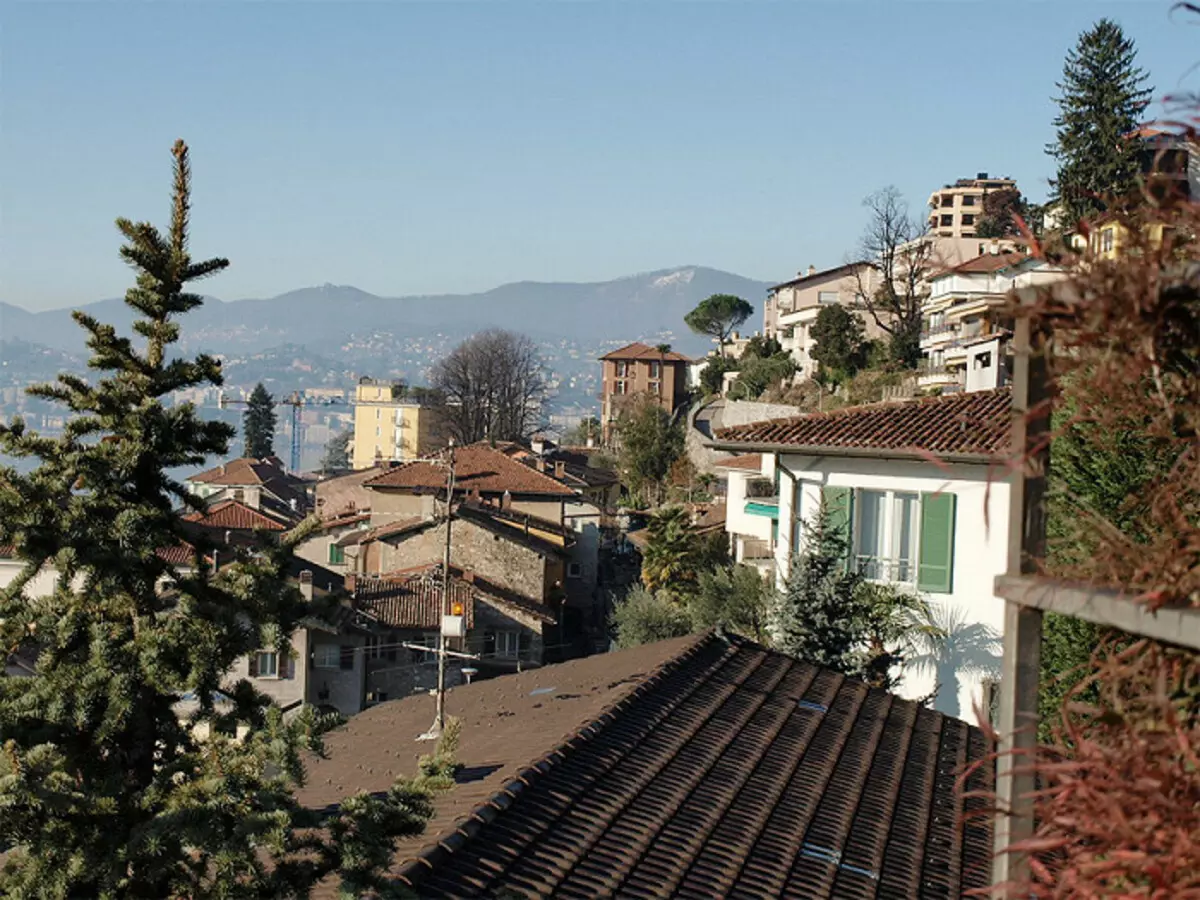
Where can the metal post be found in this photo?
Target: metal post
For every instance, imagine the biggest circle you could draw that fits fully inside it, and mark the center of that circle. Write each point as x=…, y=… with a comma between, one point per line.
x=439, y=720
x=1021, y=671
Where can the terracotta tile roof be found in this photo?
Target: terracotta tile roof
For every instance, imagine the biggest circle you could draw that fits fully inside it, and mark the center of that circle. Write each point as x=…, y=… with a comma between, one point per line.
x=235, y=516
x=246, y=470
x=390, y=529
x=825, y=273
x=343, y=520
x=986, y=262
x=638, y=350
x=750, y=462
x=182, y=554
x=717, y=768
x=478, y=467
x=975, y=424
x=7, y=551
x=412, y=599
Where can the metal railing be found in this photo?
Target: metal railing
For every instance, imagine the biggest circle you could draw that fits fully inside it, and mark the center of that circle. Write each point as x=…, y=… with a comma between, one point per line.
x=893, y=571
x=761, y=489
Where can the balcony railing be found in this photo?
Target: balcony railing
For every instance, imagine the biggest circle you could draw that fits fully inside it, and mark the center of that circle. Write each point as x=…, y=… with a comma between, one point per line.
x=892, y=571
x=756, y=549
x=761, y=489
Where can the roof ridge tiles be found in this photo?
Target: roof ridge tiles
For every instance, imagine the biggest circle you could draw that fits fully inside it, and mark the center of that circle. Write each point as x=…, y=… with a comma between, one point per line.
x=462, y=831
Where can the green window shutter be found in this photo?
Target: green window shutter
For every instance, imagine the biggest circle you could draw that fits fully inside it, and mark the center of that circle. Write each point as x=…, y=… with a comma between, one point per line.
x=839, y=505
x=936, y=572
x=337, y=555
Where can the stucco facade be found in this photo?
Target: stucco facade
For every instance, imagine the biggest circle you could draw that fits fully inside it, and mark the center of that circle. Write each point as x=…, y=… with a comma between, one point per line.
x=978, y=553
x=389, y=425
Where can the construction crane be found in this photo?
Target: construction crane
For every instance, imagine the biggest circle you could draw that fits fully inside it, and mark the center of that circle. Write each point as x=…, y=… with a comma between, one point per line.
x=295, y=401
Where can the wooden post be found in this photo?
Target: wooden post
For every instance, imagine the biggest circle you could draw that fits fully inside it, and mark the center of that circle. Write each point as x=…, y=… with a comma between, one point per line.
x=1021, y=667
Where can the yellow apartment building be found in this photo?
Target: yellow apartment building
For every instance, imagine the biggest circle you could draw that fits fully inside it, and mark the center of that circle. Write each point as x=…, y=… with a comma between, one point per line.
x=956, y=209
x=389, y=425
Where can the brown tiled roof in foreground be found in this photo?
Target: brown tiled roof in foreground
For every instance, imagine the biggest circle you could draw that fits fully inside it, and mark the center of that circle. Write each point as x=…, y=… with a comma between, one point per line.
x=721, y=769
x=477, y=467
x=749, y=462
x=412, y=599
x=975, y=424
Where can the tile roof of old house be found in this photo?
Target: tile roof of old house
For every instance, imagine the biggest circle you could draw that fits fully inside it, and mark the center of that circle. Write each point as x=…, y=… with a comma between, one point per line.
x=412, y=598
x=986, y=262
x=972, y=425
x=696, y=768
x=236, y=516
x=245, y=471
x=638, y=350
x=823, y=274
x=478, y=468
x=750, y=462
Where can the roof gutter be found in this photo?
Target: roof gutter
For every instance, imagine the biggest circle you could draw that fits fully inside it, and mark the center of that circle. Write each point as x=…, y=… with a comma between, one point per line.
x=977, y=459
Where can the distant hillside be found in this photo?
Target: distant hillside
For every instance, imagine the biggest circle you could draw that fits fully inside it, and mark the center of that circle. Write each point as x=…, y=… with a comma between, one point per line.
x=327, y=317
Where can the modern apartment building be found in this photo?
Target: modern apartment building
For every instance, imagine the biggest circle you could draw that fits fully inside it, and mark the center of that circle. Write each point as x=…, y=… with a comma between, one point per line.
x=792, y=307
x=955, y=209
x=641, y=369
x=964, y=331
x=390, y=424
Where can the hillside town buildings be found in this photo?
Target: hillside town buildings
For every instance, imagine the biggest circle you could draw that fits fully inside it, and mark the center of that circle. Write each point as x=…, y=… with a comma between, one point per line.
x=641, y=370
x=391, y=423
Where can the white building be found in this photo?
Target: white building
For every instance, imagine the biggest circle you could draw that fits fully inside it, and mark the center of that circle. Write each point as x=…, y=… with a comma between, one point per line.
x=751, y=512
x=964, y=325
x=919, y=489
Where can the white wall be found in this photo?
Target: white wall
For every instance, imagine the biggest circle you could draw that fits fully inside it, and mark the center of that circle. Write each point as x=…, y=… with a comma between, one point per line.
x=980, y=537
x=737, y=521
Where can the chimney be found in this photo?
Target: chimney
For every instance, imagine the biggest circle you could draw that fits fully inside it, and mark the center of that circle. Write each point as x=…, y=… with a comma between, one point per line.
x=306, y=584
x=982, y=176
x=812, y=270
x=222, y=468
x=541, y=465
x=560, y=469
x=351, y=583
x=994, y=247
x=505, y=500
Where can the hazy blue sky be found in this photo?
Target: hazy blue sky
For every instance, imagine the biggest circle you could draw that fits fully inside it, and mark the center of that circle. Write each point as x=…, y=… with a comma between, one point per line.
x=410, y=148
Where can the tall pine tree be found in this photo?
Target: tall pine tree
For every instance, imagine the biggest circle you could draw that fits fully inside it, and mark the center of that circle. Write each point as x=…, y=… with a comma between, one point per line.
x=1103, y=96
x=104, y=790
x=258, y=423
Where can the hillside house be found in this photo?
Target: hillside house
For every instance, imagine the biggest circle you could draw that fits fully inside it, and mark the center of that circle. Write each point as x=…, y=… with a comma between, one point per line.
x=919, y=490
x=638, y=369
x=261, y=484
x=751, y=512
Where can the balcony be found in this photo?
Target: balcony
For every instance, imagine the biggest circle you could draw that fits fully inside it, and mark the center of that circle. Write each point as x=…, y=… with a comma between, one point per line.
x=890, y=571
x=753, y=550
x=941, y=375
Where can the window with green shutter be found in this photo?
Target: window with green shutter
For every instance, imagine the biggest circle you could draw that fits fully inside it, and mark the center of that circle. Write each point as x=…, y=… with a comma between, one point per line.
x=839, y=507
x=936, y=571
x=337, y=555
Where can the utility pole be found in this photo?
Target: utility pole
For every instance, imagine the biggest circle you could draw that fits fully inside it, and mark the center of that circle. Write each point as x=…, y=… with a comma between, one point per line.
x=439, y=720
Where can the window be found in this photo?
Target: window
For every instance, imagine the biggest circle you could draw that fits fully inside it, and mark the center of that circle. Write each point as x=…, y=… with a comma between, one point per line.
x=574, y=570
x=968, y=220
x=947, y=221
x=656, y=370
x=378, y=432
x=337, y=555
x=947, y=199
x=508, y=644
x=827, y=296
x=377, y=696
x=1108, y=239
x=380, y=647
x=622, y=369
x=266, y=665
x=378, y=413
x=431, y=640
x=620, y=388
x=991, y=699
x=968, y=200
x=327, y=656
x=885, y=535
x=897, y=536
x=656, y=387
x=983, y=360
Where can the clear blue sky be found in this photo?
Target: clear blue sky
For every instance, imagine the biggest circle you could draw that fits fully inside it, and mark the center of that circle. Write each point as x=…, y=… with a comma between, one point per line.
x=411, y=148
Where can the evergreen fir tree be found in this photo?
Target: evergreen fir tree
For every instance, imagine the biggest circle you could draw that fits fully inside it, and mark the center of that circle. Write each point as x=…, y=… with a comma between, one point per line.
x=1103, y=96
x=258, y=423
x=105, y=791
x=821, y=616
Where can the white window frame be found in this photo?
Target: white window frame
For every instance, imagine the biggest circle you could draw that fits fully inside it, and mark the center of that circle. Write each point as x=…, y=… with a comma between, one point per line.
x=331, y=651
x=508, y=644
x=655, y=370
x=823, y=297
x=273, y=656
x=887, y=567
x=574, y=570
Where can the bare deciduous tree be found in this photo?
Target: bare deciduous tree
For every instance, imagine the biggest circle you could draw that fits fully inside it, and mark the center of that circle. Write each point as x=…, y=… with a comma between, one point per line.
x=494, y=387
x=899, y=244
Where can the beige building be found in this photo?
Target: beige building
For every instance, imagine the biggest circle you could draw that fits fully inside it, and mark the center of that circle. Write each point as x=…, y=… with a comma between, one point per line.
x=955, y=209
x=390, y=424
x=792, y=307
x=641, y=369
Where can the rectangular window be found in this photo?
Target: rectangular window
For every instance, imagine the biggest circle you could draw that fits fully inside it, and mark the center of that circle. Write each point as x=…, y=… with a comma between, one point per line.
x=1108, y=239
x=968, y=220
x=622, y=369
x=620, y=391
x=656, y=387
x=508, y=644
x=378, y=431
x=968, y=200
x=267, y=665
x=886, y=530
x=574, y=570
x=377, y=696
x=947, y=221
x=327, y=656
x=947, y=199
x=655, y=370
x=337, y=555
x=346, y=658
x=827, y=296
x=378, y=413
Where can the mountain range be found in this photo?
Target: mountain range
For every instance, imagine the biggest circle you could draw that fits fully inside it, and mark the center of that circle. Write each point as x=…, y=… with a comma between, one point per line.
x=329, y=317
